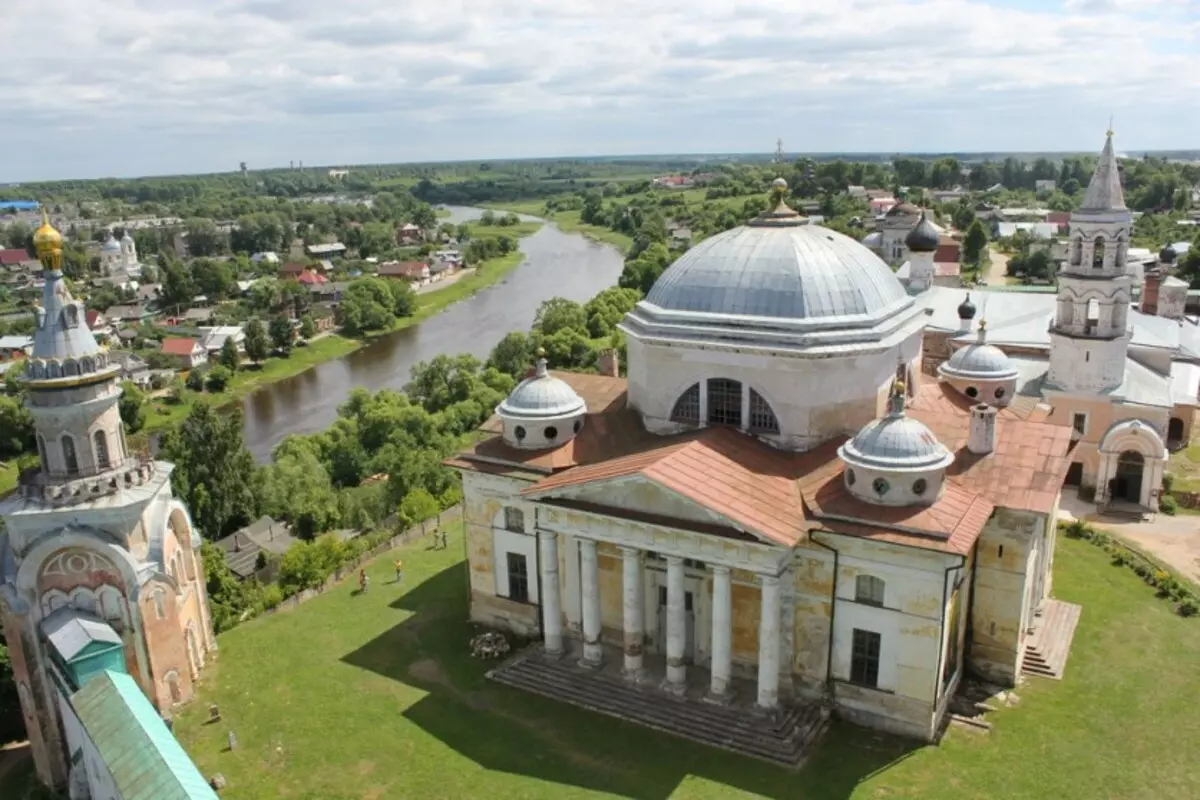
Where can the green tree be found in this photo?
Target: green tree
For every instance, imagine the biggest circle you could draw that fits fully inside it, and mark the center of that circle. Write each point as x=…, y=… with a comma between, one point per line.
x=280, y=331
x=974, y=242
x=257, y=345
x=308, y=327
x=177, y=286
x=230, y=358
x=132, y=406
x=371, y=304
x=512, y=355
x=16, y=428
x=608, y=308
x=297, y=488
x=558, y=313
x=217, y=378
x=214, y=472
x=195, y=380
x=203, y=237
x=417, y=506
x=962, y=216
x=213, y=279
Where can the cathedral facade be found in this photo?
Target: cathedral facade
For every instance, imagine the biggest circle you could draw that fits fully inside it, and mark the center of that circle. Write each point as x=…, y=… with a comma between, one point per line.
x=100, y=565
x=775, y=507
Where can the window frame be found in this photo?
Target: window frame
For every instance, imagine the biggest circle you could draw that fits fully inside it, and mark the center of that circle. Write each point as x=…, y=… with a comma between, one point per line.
x=870, y=590
x=518, y=578
x=512, y=514
x=865, y=650
x=1075, y=416
x=762, y=417
x=687, y=406
x=720, y=410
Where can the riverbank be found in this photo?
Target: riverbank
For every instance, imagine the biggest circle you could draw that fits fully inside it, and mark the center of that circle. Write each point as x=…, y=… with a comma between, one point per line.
x=568, y=222
x=163, y=413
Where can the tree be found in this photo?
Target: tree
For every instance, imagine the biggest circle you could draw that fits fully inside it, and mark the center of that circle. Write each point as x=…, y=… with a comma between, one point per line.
x=962, y=216
x=257, y=345
x=558, y=313
x=230, y=358
x=213, y=279
x=512, y=355
x=203, y=238
x=214, y=472
x=308, y=327
x=280, y=331
x=132, y=406
x=16, y=428
x=217, y=378
x=177, y=286
x=297, y=488
x=974, y=242
x=608, y=308
x=374, y=303
x=195, y=380
x=417, y=506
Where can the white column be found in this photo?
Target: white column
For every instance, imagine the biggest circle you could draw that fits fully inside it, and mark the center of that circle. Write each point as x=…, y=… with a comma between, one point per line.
x=676, y=621
x=745, y=407
x=634, y=622
x=574, y=607
x=768, y=644
x=552, y=635
x=589, y=577
x=722, y=632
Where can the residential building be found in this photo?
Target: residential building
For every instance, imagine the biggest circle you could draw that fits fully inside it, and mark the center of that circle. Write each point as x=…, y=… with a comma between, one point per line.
x=129, y=315
x=416, y=272
x=265, y=257
x=188, y=353
x=14, y=347
x=101, y=567
x=248, y=550
x=213, y=338
x=409, y=234
x=1045, y=185
x=328, y=250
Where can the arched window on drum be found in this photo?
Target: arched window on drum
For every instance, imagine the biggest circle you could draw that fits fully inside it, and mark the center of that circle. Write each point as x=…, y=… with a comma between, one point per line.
x=762, y=416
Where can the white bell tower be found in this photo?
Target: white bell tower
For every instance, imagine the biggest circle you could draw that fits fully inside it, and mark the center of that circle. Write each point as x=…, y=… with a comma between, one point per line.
x=1090, y=333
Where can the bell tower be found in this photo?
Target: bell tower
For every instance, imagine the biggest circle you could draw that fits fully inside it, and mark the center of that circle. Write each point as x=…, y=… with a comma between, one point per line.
x=1090, y=334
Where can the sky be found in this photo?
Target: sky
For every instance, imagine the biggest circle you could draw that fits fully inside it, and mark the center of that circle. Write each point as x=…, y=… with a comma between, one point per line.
x=143, y=87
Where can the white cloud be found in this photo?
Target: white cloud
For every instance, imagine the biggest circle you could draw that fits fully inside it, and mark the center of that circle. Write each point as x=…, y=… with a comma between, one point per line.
x=150, y=86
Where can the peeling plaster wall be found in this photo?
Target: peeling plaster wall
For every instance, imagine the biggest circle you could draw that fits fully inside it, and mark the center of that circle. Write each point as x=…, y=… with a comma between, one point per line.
x=1005, y=578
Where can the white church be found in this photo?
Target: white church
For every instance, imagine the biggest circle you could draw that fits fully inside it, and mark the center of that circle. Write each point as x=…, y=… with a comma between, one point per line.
x=785, y=512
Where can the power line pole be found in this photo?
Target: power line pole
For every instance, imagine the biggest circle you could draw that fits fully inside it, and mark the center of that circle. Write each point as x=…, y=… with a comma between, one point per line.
x=779, y=151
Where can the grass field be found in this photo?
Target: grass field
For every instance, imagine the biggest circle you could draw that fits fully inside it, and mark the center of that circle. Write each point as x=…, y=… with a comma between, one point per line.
x=375, y=696
x=9, y=472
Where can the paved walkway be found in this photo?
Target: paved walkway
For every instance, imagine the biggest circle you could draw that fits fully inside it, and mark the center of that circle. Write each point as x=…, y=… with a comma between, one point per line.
x=997, y=269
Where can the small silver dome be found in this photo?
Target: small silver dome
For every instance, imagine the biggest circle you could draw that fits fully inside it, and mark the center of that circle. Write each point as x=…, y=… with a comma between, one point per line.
x=110, y=245
x=980, y=361
x=896, y=443
x=784, y=269
x=542, y=396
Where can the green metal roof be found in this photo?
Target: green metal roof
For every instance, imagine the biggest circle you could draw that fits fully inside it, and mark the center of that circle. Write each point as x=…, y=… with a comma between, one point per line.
x=145, y=760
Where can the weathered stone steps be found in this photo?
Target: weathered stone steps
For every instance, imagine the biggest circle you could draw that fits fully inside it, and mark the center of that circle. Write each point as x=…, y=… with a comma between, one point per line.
x=1049, y=645
x=785, y=737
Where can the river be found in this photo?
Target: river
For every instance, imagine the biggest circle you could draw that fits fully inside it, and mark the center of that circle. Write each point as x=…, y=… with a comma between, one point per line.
x=556, y=264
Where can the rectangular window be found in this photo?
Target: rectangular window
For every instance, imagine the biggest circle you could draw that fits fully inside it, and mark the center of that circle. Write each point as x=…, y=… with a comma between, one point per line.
x=1079, y=423
x=864, y=658
x=518, y=577
x=724, y=402
x=514, y=519
x=868, y=589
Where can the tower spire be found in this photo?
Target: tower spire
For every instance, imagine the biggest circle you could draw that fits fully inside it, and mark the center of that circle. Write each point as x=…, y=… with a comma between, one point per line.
x=1104, y=191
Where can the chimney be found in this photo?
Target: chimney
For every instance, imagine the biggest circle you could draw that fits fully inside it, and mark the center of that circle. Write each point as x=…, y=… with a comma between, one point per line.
x=609, y=362
x=981, y=439
x=1154, y=279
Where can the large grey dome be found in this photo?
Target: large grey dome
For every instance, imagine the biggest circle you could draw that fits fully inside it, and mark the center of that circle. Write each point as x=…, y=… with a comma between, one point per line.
x=895, y=442
x=798, y=272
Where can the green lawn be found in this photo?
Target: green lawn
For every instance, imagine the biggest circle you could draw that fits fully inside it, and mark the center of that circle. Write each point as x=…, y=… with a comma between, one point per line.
x=375, y=696
x=478, y=230
x=9, y=472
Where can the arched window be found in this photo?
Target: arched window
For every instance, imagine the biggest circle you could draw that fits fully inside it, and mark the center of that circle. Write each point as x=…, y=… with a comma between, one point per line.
x=100, y=441
x=85, y=365
x=1098, y=253
x=869, y=589
x=42, y=451
x=171, y=679
x=1077, y=250
x=1120, y=254
x=52, y=601
x=1092, y=318
x=70, y=367
x=69, y=458
x=160, y=604
x=83, y=600
x=762, y=417
x=687, y=407
x=724, y=402
x=72, y=316
x=112, y=606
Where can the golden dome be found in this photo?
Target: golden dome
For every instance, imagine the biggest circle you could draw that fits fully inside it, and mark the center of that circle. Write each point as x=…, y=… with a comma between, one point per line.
x=46, y=237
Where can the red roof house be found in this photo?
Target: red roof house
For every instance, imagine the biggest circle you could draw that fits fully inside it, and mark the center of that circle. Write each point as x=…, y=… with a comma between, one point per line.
x=188, y=352
x=12, y=257
x=310, y=278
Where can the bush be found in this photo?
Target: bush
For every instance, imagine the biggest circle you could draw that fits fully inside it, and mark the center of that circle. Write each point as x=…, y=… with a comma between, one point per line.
x=273, y=596
x=195, y=380
x=1168, y=482
x=217, y=378
x=1168, y=505
x=1189, y=607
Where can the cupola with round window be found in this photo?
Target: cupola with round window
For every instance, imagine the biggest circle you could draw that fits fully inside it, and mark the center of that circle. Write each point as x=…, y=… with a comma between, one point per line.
x=896, y=460
x=542, y=412
x=981, y=371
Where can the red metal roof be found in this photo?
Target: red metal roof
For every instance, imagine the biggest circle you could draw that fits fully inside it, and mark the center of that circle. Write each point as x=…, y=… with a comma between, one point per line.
x=178, y=347
x=14, y=256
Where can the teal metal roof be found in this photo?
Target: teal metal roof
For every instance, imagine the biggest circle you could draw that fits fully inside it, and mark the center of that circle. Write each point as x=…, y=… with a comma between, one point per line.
x=146, y=761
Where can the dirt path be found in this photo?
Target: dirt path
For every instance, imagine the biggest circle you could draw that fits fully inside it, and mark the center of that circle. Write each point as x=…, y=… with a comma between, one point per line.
x=998, y=268
x=1175, y=541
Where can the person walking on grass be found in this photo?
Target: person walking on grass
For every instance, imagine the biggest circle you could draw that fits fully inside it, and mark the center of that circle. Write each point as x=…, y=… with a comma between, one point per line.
x=399, y=565
x=363, y=581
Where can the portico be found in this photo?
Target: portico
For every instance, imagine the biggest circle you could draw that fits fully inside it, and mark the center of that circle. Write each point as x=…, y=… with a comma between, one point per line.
x=697, y=628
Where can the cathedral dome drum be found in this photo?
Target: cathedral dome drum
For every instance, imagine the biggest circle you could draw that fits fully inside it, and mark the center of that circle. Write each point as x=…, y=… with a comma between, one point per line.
x=542, y=411
x=110, y=245
x=981, y=371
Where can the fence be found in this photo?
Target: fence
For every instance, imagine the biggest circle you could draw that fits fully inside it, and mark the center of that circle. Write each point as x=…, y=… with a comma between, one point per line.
x=409, y=536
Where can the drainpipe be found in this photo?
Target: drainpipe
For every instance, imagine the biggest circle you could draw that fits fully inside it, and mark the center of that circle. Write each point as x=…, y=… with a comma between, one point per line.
x=939, y=687
x=812, y=536
x=537, y=549
x=970, y=632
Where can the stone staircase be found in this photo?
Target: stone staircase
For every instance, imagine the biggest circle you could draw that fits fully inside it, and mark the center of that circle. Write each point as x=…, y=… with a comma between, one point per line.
x=785, y=737
x=1046, y=649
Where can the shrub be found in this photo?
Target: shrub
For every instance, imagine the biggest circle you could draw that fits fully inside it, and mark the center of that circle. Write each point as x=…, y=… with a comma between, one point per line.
x=273, y=596
x=1189, y=607
x=195, y=380
x=1168, y=505
x=218, y=377
x=1168, y=482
